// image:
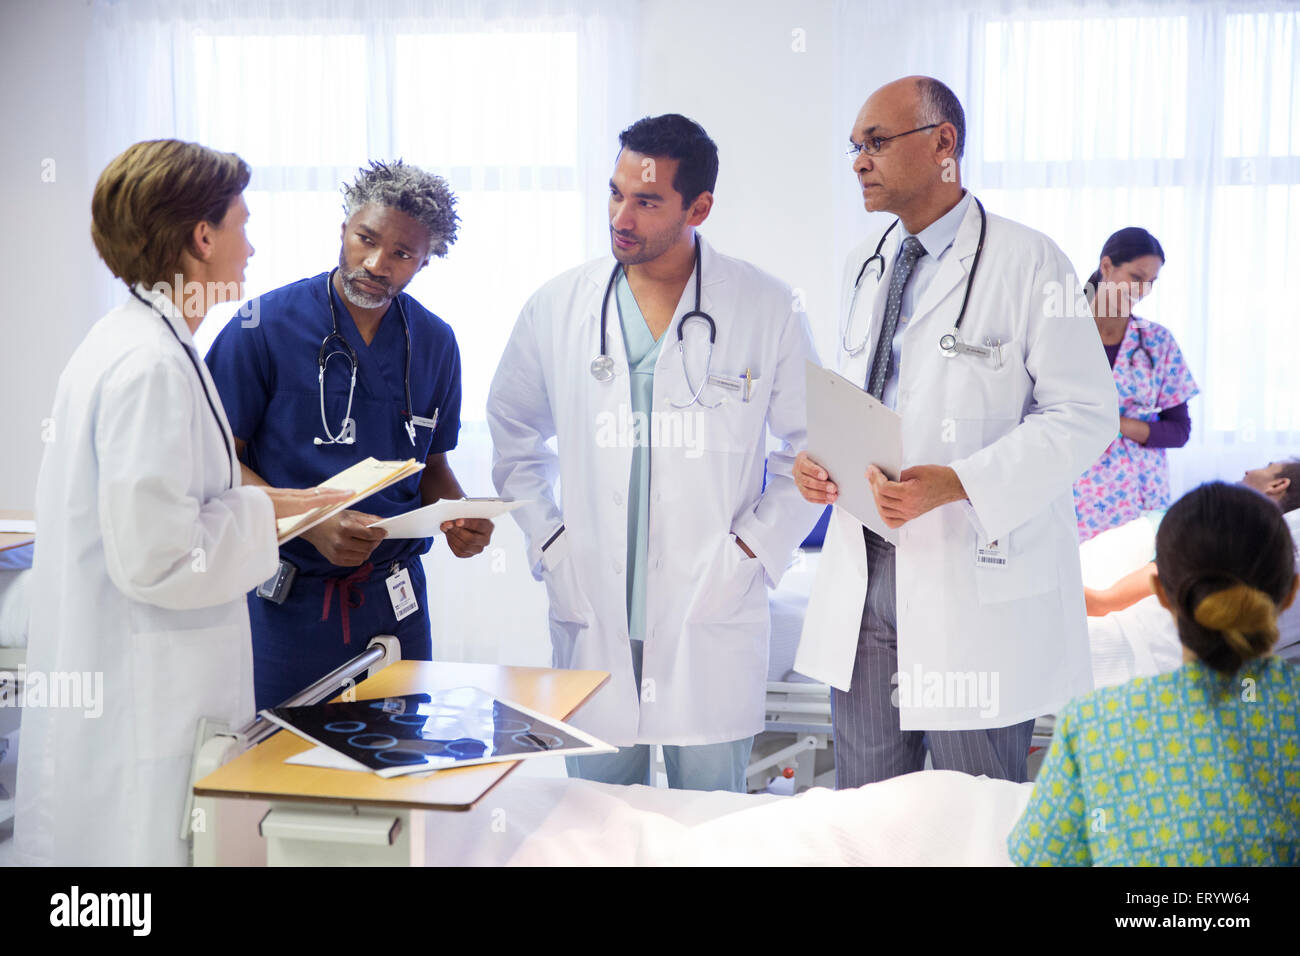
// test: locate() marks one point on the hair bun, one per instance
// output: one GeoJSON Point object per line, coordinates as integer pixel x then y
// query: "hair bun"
{"type": "Point", "coordinates": [1245, 616]}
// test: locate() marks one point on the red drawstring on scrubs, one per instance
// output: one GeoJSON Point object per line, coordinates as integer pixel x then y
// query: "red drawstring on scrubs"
{"type": "Point", "coordinates": [350, 596]}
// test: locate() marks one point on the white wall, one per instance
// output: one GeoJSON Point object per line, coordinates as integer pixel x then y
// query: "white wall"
{"type": "Point", "coordinates": [46, 244]}
{"type": "Point", "coordinates": [732, 66]}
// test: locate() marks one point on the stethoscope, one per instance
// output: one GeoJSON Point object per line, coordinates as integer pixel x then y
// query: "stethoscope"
{"type": "Point", "coordinates": [1123, 439]}
{"type": "Point", "coordinates": [230, 451]}
{"type": "Point", "coordinates": [347, 431]}
{"type": "Point", "coordinates": [1142, 345]}
{"type": "Point", "coordinates": [602, 366]}
{"type": "Point", "coordinates": [1151, 362]}
{"type": "Point", "coordinates": [950, 343]}
{"type": "Point", "coordinates": [1137, 327]}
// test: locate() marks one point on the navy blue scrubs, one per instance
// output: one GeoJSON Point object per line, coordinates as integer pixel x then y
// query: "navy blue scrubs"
{"type": "Point", "coordinates": [266, 374]}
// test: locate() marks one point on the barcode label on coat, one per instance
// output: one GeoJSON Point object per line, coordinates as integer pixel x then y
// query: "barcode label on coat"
{"type": "Point", "coordinates": [992, 555]}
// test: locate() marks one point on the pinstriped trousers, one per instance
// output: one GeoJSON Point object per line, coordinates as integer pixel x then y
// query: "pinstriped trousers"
{"type": "Point", "coordinates": [869, 745]}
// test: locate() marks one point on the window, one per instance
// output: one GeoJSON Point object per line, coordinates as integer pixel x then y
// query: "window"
{"type": "Point", "coordinates": [1188, 125]}
{"type": "Point", "coordinates": [495, 113]}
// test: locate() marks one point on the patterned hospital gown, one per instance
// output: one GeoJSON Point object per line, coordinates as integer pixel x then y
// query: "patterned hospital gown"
{"type": "Point", "coordinates": [1172, 770]}
{"type": "Point", "coordinates": [1130, 478]}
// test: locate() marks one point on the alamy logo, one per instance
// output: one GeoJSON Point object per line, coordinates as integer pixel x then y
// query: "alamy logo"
{"type": "Point", "coordinates": [74, 690]}
{"type": "Point", "coordinates": [947, 690]}
{"type": "Point", "coordinates": [102, 909]}
{"type": "Point", "coordinates": [629, 429]}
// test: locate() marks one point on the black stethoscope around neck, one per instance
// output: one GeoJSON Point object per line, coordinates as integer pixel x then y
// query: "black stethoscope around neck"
{"type": "Point", "coordinates": [602, 366]}
{"type": "Point", "coordinates": [347, 431]}
{"type": "Point", "coordinates": [225, 437]}
{"type": "Point", "coordinates": [950, 343]}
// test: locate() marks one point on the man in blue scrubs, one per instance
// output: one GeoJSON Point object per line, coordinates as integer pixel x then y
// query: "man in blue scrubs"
{"type": "Point", "coordinates": [288, 422]}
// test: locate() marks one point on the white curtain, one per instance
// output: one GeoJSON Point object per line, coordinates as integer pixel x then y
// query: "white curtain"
{"type": "Point", "coordinates": [1085, 117]}
{"type": "Point", "coordinates": [518, 103]}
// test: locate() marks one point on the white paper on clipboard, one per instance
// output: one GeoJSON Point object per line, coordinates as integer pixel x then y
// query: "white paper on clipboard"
{"type": "Point", "coordinates": [848, 430]}
{"type": "Point", "coordinates": [427, 522]}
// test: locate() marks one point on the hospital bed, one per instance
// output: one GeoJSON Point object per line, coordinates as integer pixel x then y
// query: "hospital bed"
{"type": "Point", "coordinates": [934, 818]}
{"type": "Point", "coordinates": [795, 744]}
{"type": "Point", "coordinates": [797, 741]}
{"type": "Point", "coordinates": [937, 818]}
{"type": "Point", "coordinates": [15, 577]}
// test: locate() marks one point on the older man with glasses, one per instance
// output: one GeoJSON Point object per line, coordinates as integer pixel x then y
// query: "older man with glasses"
{"type": "Point", "coordinates": [978, 336]}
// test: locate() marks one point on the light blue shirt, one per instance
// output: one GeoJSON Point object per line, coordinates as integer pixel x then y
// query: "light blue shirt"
{"type": "Point", "coordinates": [936, 238]}
{"type": "Point", "coordinates": [642, 354]}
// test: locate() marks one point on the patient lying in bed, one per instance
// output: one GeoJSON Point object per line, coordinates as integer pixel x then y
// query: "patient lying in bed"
{"type": "Point", "coordinates": [1130, 633]}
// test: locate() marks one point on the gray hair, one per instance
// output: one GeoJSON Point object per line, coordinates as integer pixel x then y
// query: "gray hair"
{"type": "Point", "coordinates": [940, 105]}
{"type": "Point", "coordinates": [425, 197]}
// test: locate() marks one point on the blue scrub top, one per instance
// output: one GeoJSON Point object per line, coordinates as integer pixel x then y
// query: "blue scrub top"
{"type": "Point", "coordinates": [266, 375]}
{"type": "Point", "coordinates": [642, 354]}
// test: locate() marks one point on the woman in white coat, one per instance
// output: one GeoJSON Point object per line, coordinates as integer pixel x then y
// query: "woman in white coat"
{"type": "Point", "coordinates": [147, 542]}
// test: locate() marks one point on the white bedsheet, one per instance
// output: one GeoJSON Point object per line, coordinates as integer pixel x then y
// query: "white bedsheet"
{"type": "Point", "coordinates": [932, 818]}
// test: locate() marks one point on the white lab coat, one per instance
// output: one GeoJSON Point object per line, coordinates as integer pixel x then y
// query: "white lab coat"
{"type": "Point", "coordinates": [707, 621]}
{"type": "Point", "coordinates": [143, 559]}
{"type": "Point", "coordinates": [1017, 436]}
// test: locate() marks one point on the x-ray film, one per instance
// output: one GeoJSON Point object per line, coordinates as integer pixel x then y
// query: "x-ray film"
{"type": "Point", "coordinates": [415, 733]}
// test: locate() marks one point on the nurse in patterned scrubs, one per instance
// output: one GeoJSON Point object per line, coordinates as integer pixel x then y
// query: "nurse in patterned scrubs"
{"type": "Point", "coordinates": [1154, 386]}
{"type": "Point", "coordinates": [1199, 766]}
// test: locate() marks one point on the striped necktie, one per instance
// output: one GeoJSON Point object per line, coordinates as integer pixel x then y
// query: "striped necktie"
{"type": "Point", "coordinates": [907, 256]}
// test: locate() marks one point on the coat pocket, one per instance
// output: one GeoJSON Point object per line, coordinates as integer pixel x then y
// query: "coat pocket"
{"type": "Point", "coordinates": [733, 588]}
{"type": "Point", "coordinates": [733, 427]}
{"type": "Point", "coordinates": [1031, 566]}
{"type": "Point", "coordinates": [560, 576]}
{"type": "Point", "coordinates": [570, 613]}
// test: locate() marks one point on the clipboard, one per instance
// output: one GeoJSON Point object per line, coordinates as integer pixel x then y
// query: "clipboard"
{"type": "Point", "coordinates": [848, 430]}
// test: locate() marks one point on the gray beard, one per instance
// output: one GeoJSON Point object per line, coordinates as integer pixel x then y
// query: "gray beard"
{"type": "Point", "coordinates": [356, 296]}
{"type": "Point", "coordinates": [359, 298]}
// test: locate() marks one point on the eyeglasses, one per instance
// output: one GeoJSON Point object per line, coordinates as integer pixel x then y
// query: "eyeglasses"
{"type": "Point", "coordinates": [874, 144]}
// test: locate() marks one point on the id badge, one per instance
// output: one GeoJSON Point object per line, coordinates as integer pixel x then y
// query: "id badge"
{"type": "Point", "coordinates": [730, 384]}
{"type": "Point", "coordinates": [402, 594]}
{"type": "Point", "coordinates": [991, 555]}
{"type": "Point", "coordinates": [430, 423]}
{"type": "Point", "coordinates": [741, 385]}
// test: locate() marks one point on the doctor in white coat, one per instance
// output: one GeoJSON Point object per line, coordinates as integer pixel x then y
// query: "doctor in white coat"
{"type": "Point", "coordinates": [147, 543]}
{"type": "Point", "coordinates": [974, 625]}
{"type": "Point", "coordinates": [660, 545]}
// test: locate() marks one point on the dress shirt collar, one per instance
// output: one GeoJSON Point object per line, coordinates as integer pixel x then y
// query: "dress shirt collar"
{"type": "Point", "coordinates": [939, 235]}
